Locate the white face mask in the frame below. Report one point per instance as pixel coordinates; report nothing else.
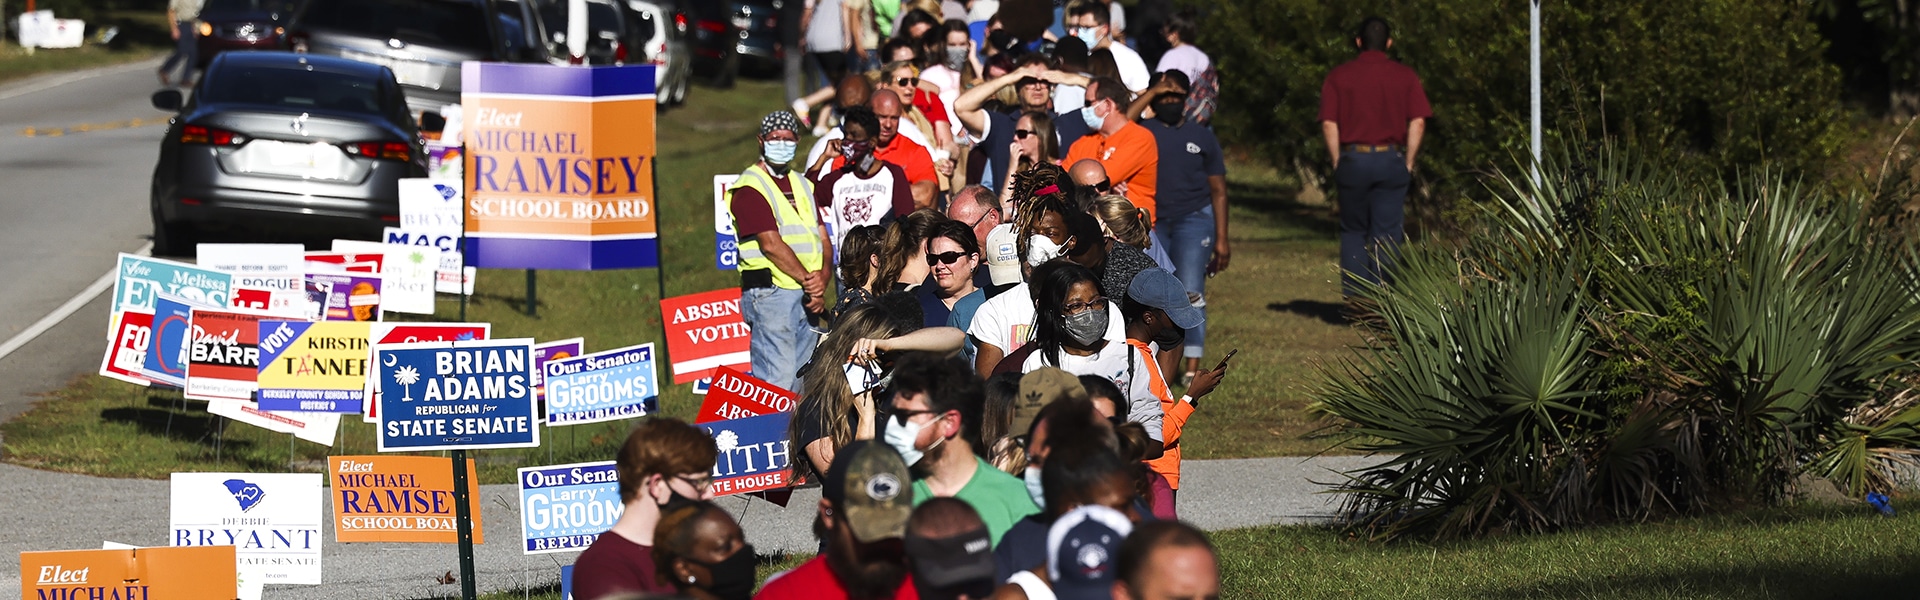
(1041, 249)
(1034, 489)
(902, 437)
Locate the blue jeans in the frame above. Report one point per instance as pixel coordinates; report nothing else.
(782, 340)
(186, 52)
(1373, 208)
(1189, 240)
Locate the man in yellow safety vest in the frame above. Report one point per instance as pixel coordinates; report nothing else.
(783, 250)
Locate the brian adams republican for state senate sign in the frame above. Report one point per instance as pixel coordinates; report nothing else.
(460, 395)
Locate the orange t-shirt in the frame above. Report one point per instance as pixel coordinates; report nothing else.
(1174, 418)
(904, 153)
(1130, 157)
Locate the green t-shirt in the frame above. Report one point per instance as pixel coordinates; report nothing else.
(885, 12)
(1000, 499)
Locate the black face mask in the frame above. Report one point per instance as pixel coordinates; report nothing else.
(733, 577)
(1170, 337)
(1169, 112)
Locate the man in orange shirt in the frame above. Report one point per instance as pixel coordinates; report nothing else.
(1127, 150)
(897, 149)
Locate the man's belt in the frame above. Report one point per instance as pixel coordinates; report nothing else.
(1371, 148)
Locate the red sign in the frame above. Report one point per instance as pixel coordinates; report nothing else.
(736, 395)
(251, 299)
(705, 331)
(345, 262)
(409, 333)
(127, 348)
(223, 355)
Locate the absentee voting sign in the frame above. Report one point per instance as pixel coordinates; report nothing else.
(705, 331)
(603, 386)
(559, 166)
(313, 367)
(462, 395)
(564, 508)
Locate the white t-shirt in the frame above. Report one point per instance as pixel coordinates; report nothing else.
(1133, 70)
(849, 200)
(1122, 364)
(907, 128)
(1068, 98)
(1187, 59)
(1006, 320)
(948, 80)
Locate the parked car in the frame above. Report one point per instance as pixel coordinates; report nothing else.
(527, 34)
(278, 140)
(241, 25)
(732, 35)
(663, 35)
(612, 30)
(422, 41)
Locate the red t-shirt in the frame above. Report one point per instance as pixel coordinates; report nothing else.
(912, 158)
(614, 564)
(1372, 98)
(811, 580)
(751, 212)
(930, 105)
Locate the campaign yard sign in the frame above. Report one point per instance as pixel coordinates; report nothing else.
(753, 454)
(398, 499)
(195, 573)
(316, 427)
(132, 332)
(463, 395)
(413, 333)
(558, 166)
(552, 351)
(313, 366)
(172, 334)
(223, 355)
(451, 276)
(273, 519)
(406, 274)
(705, 331)
(603, 386)
(564, 508)
(278, 269)
(726, 249)
(140, 280)
(736, 395)
(349, 296)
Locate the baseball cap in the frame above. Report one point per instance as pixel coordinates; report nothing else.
(954, 562)
(1083, 548)
(1157, 288)
(1003, 254)
(867, 484)
(1039, 388)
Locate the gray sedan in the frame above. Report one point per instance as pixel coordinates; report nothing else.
(274, 140)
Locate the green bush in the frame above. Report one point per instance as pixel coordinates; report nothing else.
(1717, 84)
(1626, 341)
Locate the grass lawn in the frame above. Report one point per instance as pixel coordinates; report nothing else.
(1277, 303)
(1809, 551)
(142, 35)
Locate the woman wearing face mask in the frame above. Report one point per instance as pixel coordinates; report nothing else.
(702, 553)
(952, 64)
(1071, 324)
(664, 464)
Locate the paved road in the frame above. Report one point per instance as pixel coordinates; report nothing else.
(73, 200)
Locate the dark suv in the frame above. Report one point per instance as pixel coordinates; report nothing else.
(422, 41)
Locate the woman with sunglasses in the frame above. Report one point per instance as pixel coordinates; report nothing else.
(952, 255)
(904, 79)
(1070, 331)
(1034, 144)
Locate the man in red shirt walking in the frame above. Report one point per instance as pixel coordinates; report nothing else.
(1373, 113)
(865, 500)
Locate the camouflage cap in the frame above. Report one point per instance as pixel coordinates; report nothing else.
(868, 485)
(1039, 388)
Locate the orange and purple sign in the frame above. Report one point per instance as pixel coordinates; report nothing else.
(559, 166)
(189, 573)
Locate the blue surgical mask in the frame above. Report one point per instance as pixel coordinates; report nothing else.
(779, 152)
(1034, 489)
(1090, 35)
(1094, 120)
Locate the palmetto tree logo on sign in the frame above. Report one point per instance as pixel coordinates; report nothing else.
(406, 376)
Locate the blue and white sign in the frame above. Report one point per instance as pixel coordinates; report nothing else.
(566, 582)
(603, 386)
(754, 453)
(272, 519)
(141, 280)
(726, 248)
(456, 395)
(166, 361)
(564, 508)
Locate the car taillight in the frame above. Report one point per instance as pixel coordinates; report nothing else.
(680, 22)
(575, 60)
(619, 53)
(382, 150)
(659, 54)
(201, 134)
(714, 26)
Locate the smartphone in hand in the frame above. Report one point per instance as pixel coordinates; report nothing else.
(1223, 361)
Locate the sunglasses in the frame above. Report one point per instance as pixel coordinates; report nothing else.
(946, 258)
(1105, 186)
(907, 81)
(1021, 134)
(1030, 81)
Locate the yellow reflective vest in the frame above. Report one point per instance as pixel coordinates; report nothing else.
(799, 223)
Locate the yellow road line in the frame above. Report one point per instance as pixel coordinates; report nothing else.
(88, 127)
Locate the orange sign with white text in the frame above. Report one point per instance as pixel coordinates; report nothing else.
(398, 499)
(184, 573)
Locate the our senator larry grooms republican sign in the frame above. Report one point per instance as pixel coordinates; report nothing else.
(704, 331)
(603, 386)
(273, 519)
(398, 499)
(313, 366)
(558, 166)
(463, 395)
(563, 508)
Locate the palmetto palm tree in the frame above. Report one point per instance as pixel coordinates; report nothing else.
(407, 376)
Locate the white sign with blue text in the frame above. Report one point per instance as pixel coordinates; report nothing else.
(272, 520)
(603, 386)
(564, 508)
(456, 395)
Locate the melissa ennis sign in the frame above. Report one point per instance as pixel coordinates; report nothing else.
(470, 395)
(559, 166)
(564, 508)
(273, 519)
(196, 573)
(398, 499)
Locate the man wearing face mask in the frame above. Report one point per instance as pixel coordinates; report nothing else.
(864, 507)
(1158, 313)
(665, 463)
(863, 190)
(1092, 23)
(1192, 197)
(1126, 150)
(934, 424)
(782, 248)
